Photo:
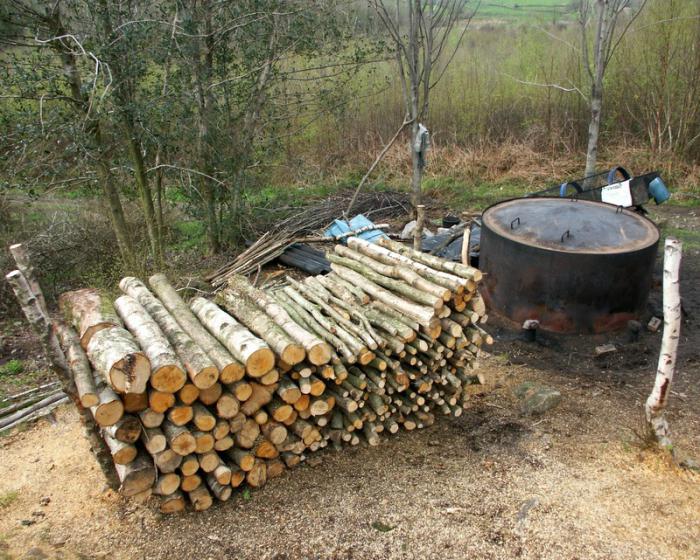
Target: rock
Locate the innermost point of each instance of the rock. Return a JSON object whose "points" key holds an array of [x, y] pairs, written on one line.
{"points": [[27, 522], [605, 349], [45, 500], [634, 328], [58, 541], [536, 399], [34, 554]]}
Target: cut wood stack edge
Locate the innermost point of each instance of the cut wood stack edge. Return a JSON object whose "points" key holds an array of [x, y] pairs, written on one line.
{"points": [[197, 399]]}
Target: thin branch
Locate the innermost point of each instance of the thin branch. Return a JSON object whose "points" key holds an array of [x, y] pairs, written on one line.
{"points": [[554, 86]]}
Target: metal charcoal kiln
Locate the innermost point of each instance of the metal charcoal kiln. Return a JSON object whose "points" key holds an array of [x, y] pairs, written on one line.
{"points": [[576, 266]]}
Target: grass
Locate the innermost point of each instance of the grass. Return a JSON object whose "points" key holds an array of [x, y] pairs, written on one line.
{"points": [[463, 195], [189, 234], [525, 10], [689, 237], [8, 498], [13, 367]]}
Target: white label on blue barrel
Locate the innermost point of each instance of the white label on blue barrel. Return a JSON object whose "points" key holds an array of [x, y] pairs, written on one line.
{"points": [[618, 194]]}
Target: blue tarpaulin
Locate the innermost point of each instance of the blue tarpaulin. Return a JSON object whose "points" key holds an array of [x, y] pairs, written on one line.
{"points": [[338, 227]]}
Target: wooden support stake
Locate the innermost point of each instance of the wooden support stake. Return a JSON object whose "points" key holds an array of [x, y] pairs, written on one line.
{"points": [[43, 326]]}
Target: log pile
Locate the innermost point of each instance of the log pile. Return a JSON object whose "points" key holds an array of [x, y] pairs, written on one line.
{"points": [[195, 399]]}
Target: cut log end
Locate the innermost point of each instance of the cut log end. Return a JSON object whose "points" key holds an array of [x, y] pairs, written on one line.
{"points": [[231, 373], [108, 413], [174, 503], [168, 379], [260, 362], [320, 354], [293, 354], [130, 374], [205, 378]]}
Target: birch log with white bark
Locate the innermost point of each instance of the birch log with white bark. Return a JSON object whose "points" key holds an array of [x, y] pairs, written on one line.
{"points": [[318, 351], [44, 328], [394, 271], [109, 410], [258, 322], [231, 369], [388, 256], [79, 365], [24, 264], [437, 263], [116, 356], [424, 315], [247, 348], [167, 373], [199, 366], [88, 311], [656, 403], [137, 476]]}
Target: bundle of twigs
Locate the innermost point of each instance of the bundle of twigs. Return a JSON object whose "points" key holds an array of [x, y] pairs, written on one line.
{"points": [[311, 218], [29, 405]]}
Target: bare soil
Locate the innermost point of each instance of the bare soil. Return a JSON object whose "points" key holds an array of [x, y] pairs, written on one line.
{"points": [[578, 482]]}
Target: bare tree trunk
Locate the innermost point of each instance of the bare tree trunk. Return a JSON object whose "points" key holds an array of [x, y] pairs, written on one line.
{"points": [[104, 173], [594, 131], [205, 60], [656, 403], [153, 227]]}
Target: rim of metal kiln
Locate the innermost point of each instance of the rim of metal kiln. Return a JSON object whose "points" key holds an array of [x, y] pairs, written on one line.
{"points": [[571, 225]]}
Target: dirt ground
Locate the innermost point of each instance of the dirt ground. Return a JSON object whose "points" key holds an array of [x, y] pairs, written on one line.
{"points": [[575, 483]]}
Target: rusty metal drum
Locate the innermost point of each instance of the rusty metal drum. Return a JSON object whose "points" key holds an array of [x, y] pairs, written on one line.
{"points": [[576, 266]]}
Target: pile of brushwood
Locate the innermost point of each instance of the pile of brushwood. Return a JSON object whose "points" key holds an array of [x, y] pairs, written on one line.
{"points": [[195, 399]]}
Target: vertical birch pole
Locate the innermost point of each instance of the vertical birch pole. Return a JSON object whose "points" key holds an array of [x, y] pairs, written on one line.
{"points": [[656, 403], [43, 326]]}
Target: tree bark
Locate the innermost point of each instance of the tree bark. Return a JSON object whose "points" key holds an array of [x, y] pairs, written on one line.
{"points": [[250, 350], [88, 311], [318, 352], [200, 368], [79, 94], [114, 353], [425, 316], [467, 273], [79, 365], [258, 322], [43, 327], [24, 265], [167, 374], [230, 368]]}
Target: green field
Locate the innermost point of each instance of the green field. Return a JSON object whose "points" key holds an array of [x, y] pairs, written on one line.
{"points": [[526, 10]]}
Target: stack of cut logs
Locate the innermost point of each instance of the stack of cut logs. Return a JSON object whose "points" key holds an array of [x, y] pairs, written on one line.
{"points": [[196, 399]]}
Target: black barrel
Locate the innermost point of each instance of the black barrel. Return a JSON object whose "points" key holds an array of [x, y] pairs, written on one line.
{"points": [[576, 266]]}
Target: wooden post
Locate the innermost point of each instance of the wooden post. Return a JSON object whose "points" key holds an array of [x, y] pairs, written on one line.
{"points": [[418, 232], [42, 325], [24, 265], [656, 403], [466, 239]]}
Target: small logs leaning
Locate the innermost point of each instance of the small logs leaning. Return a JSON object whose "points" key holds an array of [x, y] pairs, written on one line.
{"points": [[197, 398]]}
